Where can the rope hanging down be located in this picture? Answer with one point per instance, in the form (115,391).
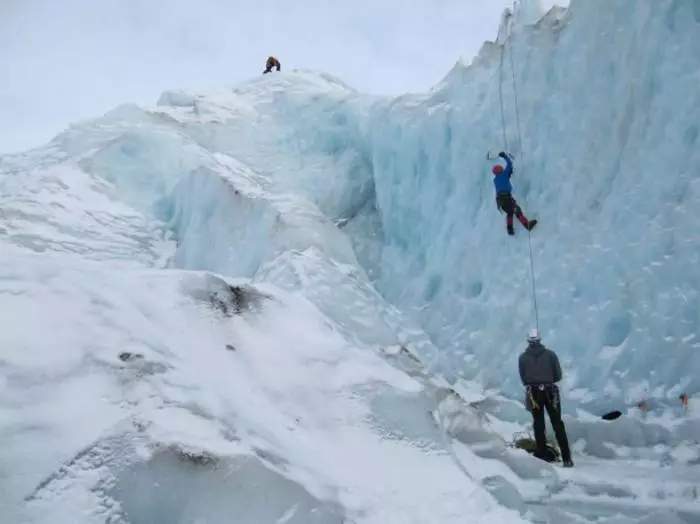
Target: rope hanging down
(500,97)
(520,147)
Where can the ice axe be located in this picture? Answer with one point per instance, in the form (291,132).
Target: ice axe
(491,156)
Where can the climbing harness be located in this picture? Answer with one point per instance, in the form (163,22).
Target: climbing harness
(509,43)
(533,402)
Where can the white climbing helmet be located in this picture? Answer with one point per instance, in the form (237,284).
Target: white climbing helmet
(533,335)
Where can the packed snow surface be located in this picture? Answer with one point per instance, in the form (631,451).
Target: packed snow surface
(289,302)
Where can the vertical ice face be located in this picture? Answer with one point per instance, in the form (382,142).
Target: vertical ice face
(608,107)
(522,13)
(278,180)
(528,11)
(605,155)
(606,160)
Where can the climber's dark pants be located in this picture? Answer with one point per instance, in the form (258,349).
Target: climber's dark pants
(510,207)
(547,397)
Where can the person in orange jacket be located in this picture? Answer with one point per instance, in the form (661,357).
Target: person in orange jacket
(271,62)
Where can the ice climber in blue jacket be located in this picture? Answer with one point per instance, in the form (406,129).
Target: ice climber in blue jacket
(504,197)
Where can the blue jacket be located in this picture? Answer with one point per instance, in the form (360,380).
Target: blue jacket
(502,181)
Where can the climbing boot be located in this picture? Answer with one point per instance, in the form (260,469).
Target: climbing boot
(510,230)
(531,224)
(569,463)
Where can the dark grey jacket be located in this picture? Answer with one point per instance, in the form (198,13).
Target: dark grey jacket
(539,365)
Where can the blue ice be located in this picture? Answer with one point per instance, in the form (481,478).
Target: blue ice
(380,213)
(400,189)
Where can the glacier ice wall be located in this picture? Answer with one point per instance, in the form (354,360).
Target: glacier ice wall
(297,180)
(608,107)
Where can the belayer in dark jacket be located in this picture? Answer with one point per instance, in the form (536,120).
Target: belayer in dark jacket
(504,197)
(540,371)
(271,62)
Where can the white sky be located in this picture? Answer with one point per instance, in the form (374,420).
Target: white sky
(66,60)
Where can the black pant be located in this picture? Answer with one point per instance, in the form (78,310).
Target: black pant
(547,397)
(508,204)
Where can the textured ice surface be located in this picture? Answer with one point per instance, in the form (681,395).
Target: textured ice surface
(608,105)
(126,362)
(277,382)
(136,389)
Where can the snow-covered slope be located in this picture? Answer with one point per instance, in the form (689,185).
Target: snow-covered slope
(139,394)
(195,294)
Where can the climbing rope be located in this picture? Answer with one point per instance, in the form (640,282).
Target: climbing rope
(515,96)
(509,43)
(500,97)
(532,281)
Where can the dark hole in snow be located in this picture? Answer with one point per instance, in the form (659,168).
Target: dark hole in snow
(126,356)
(228,299)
